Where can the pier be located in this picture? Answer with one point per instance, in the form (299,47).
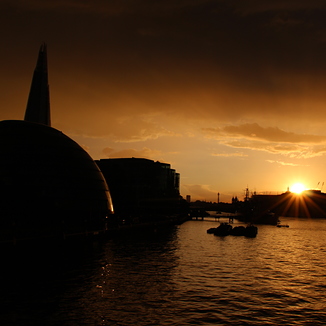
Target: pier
(216,216)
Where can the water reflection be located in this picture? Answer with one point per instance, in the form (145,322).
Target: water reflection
(180,277)
(132,284)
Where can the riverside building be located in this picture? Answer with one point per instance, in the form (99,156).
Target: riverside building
(142,188)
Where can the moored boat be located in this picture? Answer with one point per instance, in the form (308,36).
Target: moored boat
(282,225)
(251,231)
(211,230)
(238,230)
(223,229)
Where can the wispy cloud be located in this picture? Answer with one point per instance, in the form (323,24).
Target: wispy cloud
(283,163)
(121,128)
(270,139)
(230,154)
(254,131)
(291,150)
(310,152)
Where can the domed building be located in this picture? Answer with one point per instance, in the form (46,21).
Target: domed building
(49,186)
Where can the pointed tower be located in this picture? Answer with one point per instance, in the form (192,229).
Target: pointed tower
(62,192)
(38,105)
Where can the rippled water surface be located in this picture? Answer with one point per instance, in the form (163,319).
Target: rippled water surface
(183,276)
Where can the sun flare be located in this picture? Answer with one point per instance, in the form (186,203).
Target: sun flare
(297,188)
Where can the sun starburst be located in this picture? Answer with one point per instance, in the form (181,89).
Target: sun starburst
(297,188)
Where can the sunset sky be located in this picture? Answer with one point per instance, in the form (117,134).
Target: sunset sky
(231,93)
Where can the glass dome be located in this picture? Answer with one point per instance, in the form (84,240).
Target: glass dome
(49,185)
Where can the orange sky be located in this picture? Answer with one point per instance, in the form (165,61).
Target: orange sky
(230,93)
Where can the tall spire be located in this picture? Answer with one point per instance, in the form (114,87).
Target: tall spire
(38,105)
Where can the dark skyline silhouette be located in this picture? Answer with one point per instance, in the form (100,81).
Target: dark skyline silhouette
(50,188)
(231,93)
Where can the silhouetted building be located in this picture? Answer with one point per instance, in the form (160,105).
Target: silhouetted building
(142,187)
(308,204)
(49,186)
(38,104)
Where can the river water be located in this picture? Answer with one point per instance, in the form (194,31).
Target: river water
(182,276)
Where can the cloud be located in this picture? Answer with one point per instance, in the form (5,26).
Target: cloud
(271,134)
(111,7)
(138,128)
(130,152)
(293,151)
(230,154)
(215,64)
(120,125)
(46,5)
(263,146)
(253,6)
(284,163)
(132,6)
(310,152)
(107,151)
(106,75)
(270,139)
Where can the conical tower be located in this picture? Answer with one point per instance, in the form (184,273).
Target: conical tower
(38,105)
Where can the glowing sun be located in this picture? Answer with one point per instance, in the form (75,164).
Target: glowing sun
(297,188)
